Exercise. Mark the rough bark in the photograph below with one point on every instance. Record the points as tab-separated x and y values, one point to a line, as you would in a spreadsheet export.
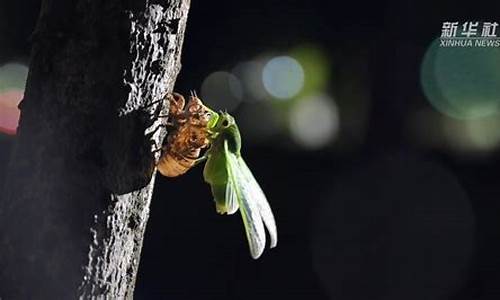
76	200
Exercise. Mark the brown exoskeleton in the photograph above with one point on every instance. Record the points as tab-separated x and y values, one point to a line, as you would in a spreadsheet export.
189	135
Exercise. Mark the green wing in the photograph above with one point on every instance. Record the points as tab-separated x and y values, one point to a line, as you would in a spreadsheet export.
216	174
233	186
254	208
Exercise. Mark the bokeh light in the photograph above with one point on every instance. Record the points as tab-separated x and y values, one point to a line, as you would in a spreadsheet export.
314	121
258	121
472	136
12	82
9	113
462	82
393	226
222	91
13	76
250	74
294	83
283	77
316	66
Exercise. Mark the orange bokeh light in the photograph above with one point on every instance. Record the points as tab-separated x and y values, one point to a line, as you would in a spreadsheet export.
9	113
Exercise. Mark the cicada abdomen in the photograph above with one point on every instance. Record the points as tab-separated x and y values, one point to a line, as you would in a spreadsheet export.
189	136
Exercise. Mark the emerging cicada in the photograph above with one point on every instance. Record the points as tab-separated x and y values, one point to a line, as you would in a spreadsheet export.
189	136
232	183
234	186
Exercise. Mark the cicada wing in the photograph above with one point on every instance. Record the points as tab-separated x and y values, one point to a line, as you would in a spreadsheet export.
231	198
249	209
259	197
215	173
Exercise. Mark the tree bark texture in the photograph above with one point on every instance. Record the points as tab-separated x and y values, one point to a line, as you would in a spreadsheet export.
76	200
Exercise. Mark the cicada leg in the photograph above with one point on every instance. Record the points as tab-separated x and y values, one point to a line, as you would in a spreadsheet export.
201	159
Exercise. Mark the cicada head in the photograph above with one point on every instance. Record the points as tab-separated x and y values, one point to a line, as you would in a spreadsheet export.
226	128
224	122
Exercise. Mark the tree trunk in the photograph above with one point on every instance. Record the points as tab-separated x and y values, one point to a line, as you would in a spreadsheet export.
76	199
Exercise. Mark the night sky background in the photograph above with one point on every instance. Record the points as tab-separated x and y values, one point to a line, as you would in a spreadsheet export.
391	207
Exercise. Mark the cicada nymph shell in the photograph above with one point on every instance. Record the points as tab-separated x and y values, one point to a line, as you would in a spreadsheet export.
189	136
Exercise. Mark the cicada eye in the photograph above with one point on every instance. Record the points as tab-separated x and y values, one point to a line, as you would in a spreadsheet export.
225	123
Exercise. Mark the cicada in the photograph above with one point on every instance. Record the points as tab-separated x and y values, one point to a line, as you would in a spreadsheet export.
232	183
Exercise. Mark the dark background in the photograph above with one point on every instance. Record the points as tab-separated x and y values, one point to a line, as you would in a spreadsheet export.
382	212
